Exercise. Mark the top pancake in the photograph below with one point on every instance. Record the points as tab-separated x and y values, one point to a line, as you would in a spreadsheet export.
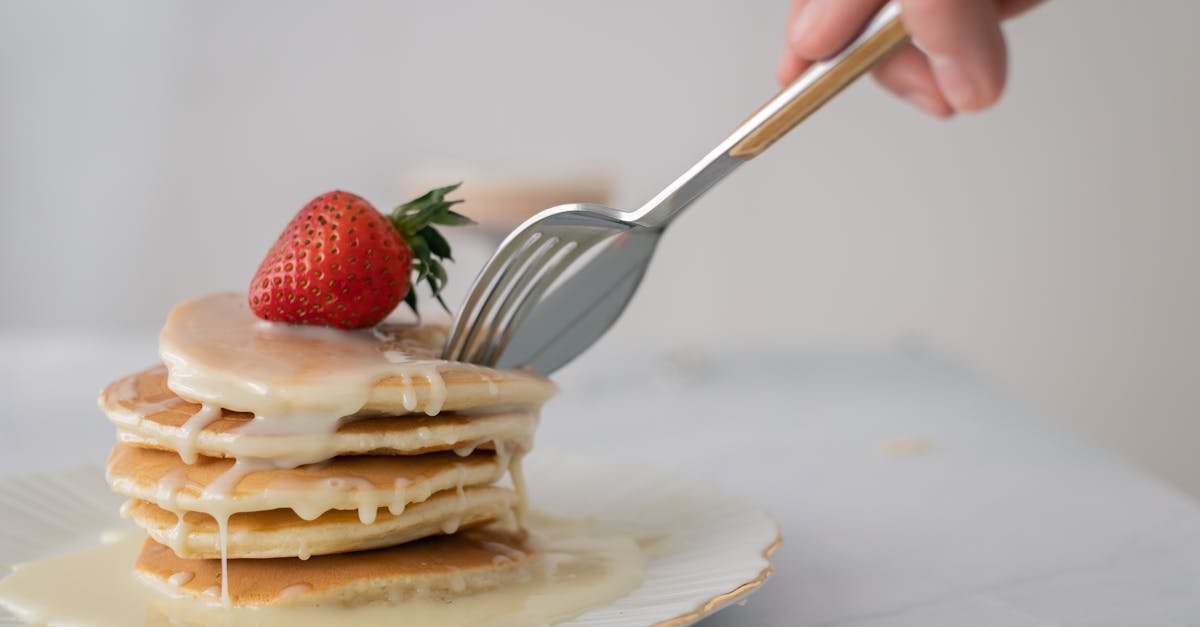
217	352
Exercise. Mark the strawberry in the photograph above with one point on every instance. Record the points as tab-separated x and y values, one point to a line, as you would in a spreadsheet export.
340	263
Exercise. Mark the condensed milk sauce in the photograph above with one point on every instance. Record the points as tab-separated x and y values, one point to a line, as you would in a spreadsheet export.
300	382
294	379
583	566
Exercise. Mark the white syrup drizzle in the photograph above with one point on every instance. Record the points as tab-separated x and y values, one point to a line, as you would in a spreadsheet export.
509	520
217	352
408	395
451	525
299	495
515	423
516	472
177	536
168	487
469	447
399	496
311	497
304	553
223	532
487	376
206	415
301	382
581	566
509	552
217	493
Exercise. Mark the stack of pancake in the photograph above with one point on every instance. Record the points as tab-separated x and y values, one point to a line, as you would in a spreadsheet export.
275	465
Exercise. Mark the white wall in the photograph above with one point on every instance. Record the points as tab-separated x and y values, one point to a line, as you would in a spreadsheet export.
150	151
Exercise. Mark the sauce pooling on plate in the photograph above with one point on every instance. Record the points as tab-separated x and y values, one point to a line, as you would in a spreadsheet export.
581	566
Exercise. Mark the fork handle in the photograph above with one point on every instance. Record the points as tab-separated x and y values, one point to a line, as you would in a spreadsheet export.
813	88
819	84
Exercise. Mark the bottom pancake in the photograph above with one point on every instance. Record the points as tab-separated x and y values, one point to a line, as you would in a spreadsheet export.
281	533
436	568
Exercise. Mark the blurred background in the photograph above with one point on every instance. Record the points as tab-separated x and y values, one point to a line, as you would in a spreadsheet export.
150	151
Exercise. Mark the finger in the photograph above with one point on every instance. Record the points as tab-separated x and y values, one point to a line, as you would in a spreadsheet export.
823	27
965	47
790	66
1012	8
908	75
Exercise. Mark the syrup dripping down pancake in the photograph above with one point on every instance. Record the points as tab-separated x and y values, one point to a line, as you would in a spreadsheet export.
363	482
439	568
281	533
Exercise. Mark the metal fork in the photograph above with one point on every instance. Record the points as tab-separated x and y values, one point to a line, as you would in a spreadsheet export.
512	317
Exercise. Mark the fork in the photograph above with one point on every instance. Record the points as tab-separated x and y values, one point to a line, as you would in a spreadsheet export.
526	310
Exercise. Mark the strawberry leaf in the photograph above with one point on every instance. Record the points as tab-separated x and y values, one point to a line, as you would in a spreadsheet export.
450	218
414	220
438	272
410	299
437	244
438	295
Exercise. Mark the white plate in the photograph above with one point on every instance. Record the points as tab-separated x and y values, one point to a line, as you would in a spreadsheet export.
719	553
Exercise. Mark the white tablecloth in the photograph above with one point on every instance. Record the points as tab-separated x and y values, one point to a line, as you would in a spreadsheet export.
909	491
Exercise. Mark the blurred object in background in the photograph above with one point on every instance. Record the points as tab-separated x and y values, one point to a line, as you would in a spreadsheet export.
152	151
500	196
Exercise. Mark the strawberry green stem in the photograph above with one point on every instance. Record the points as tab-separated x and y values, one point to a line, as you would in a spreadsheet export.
415	221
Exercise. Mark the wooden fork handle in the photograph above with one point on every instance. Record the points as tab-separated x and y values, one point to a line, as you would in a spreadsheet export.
819	83
813	88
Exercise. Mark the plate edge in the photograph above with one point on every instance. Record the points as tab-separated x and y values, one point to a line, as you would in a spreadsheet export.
718	602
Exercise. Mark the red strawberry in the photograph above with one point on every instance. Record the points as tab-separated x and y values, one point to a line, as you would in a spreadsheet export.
340	263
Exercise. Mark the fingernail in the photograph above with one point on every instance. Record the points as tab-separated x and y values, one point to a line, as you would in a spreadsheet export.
955	83
805	21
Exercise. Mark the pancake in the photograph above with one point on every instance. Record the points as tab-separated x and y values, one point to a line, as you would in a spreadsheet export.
364	482
437	568
217	352
148	414
281	533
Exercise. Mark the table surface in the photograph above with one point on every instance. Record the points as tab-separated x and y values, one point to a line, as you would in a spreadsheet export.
909	490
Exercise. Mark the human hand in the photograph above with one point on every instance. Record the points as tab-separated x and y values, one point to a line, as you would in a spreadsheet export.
958	64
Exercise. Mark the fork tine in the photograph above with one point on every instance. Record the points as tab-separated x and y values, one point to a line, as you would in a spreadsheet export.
546	261
525	261
491	275
519	307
